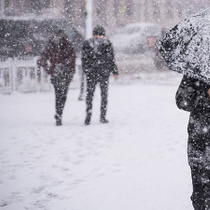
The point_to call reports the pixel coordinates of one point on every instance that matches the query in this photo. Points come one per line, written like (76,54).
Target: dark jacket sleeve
(186,95)
(86,56)
(71,58)
(45,55)
(111,59)
(192,95)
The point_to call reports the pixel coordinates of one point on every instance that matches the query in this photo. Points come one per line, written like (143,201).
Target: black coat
(192,96)
(58,50)
(98,57)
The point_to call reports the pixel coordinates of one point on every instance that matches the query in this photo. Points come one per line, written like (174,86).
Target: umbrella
(186,47)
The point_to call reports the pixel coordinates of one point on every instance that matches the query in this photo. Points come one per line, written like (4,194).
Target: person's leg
(82,86)
(206,174)
(104,82)
(91,85)
(62,97)
(61,90)
(200,176)
(198,198)
(58,115)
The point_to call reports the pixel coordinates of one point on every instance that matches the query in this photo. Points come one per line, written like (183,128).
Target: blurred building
(168,13)
(112,14)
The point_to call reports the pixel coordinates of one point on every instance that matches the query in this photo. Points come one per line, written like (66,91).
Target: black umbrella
(186,47)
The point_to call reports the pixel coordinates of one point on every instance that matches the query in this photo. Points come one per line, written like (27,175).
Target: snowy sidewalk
(136,162)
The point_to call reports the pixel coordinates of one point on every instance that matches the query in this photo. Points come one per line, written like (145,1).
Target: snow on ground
(136,162)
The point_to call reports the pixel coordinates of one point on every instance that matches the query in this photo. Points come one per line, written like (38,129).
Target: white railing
(23,75)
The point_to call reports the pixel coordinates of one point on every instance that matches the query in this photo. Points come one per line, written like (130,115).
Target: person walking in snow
(98,63)
(62,57)
(194,96)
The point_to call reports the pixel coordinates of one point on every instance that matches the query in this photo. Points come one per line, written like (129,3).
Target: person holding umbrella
(186,50)
(193,95)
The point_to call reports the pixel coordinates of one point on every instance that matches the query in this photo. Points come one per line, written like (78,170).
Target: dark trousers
(60,98)
(91,86)
(199,160)
(82,84)
(61,79)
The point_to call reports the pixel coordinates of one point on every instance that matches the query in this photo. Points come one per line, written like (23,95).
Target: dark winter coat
(58,50)
(98,57)
(192,96)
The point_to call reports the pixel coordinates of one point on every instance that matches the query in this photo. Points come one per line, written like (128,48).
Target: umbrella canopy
(186,47)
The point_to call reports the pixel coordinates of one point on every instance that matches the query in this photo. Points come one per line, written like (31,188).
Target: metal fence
(24,75)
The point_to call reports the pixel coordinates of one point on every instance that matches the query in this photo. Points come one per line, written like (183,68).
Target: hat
(98,31)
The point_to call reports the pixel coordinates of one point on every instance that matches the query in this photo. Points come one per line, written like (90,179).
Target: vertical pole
(13,71)
(142,10)
(88,21)
(2,8)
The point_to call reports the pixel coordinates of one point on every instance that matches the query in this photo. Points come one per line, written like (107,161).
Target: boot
(87,120)
(58,119)
(81,98)
(104,120)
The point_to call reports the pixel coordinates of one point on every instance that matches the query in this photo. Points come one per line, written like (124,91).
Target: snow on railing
(6,75)
(24,75)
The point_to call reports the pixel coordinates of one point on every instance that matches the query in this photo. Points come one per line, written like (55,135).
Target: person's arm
(44,57)
(71,58)
(186,94)
(111,58)
(86,57)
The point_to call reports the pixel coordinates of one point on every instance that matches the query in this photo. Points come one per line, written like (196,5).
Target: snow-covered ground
(136,162)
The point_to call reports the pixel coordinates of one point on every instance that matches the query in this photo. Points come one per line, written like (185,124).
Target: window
(116,7)
(156,8)
(123,7)
(1,7)
(129,7)
(46,3)
(68,5)
(37,5)
(179,9)
(98,7)
(11,8)
(169,11)
(101,11)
